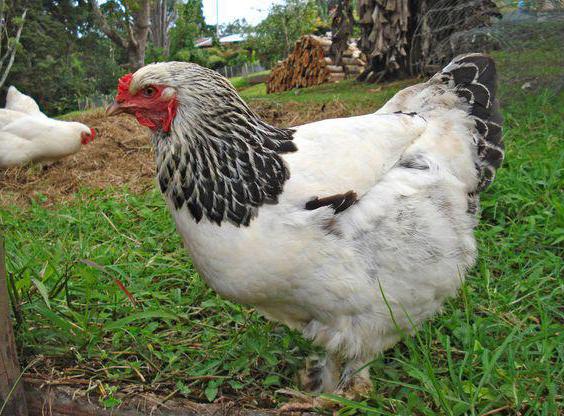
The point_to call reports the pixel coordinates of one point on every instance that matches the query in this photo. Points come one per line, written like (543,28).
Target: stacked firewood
(311,63)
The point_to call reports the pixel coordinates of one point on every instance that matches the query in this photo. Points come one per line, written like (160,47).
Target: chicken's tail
(474,78)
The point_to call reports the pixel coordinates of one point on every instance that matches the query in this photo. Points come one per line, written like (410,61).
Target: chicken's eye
(149,92)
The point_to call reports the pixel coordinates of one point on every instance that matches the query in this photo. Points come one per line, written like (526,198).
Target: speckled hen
(351,230)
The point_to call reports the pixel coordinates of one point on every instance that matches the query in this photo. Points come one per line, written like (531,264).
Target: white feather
(27,135)
(16,101)
(331,285)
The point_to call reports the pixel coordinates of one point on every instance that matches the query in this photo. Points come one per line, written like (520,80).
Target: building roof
(206,42)
(234,38)
(203,42)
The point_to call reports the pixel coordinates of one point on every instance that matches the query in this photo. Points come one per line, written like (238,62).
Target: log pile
(311,63)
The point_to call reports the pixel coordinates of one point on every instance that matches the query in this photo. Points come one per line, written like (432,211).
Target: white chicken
(28,135)
(350,230)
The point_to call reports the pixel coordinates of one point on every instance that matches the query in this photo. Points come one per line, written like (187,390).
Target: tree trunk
(138,30)
(9,365)
(138,35)
(341,28)
(384,28)
(163,14)
(135,57)
(443,29)
(407,37)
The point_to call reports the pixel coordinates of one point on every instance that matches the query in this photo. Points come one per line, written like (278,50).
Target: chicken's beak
(114,109)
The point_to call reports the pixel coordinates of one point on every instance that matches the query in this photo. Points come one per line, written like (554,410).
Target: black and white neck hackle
(219,160)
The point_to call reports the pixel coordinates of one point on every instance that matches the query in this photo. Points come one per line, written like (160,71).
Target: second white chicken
(27,135)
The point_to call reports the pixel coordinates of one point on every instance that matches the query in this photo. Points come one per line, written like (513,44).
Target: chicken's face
(76,130)
(152,103)
(87,136)
(159,93)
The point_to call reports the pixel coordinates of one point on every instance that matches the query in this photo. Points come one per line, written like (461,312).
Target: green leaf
(183,388)
(139,316)
(68,330)
(211,390)
(271,380)
(236,385)
(42,291)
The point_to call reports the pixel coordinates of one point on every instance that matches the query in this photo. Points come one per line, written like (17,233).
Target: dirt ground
(121,155)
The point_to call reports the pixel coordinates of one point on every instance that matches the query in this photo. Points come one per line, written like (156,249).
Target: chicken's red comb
(92,133)
(123,83)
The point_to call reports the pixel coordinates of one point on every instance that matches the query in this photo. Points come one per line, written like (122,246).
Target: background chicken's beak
(114,109)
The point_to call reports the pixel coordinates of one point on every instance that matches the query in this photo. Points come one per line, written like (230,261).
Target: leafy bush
(275,36)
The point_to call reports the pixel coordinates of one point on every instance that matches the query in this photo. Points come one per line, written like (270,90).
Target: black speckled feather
(228,167)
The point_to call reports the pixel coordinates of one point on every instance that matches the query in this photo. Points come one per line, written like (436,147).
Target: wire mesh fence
(240,70)
(448,28)
(94,101)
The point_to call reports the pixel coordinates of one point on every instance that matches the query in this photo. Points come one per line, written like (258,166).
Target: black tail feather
(474,78)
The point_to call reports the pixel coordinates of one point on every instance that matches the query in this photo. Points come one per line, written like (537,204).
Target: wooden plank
(336,77)
(334,68)
(353,69)
(9,364)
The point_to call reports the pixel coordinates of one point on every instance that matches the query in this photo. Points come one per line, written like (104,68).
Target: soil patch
(122,156)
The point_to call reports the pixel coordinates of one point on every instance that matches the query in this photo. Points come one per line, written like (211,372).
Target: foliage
(62,57)
(190,25)
(10,33)
(236,26)
(275,36)
(127,24)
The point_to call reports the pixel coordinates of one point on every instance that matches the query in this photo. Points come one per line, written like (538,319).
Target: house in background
(236,56)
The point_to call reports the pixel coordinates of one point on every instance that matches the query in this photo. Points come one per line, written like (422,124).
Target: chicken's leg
(321,374)
(324,376)
(355,380)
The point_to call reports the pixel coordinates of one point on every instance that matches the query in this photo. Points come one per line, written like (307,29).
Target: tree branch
(2,24)
(132,39)
(105,27)
(13,49)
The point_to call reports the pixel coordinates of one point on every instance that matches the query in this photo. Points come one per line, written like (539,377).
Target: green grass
(176,334)
(498,347)
(246,81)
(349,92)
